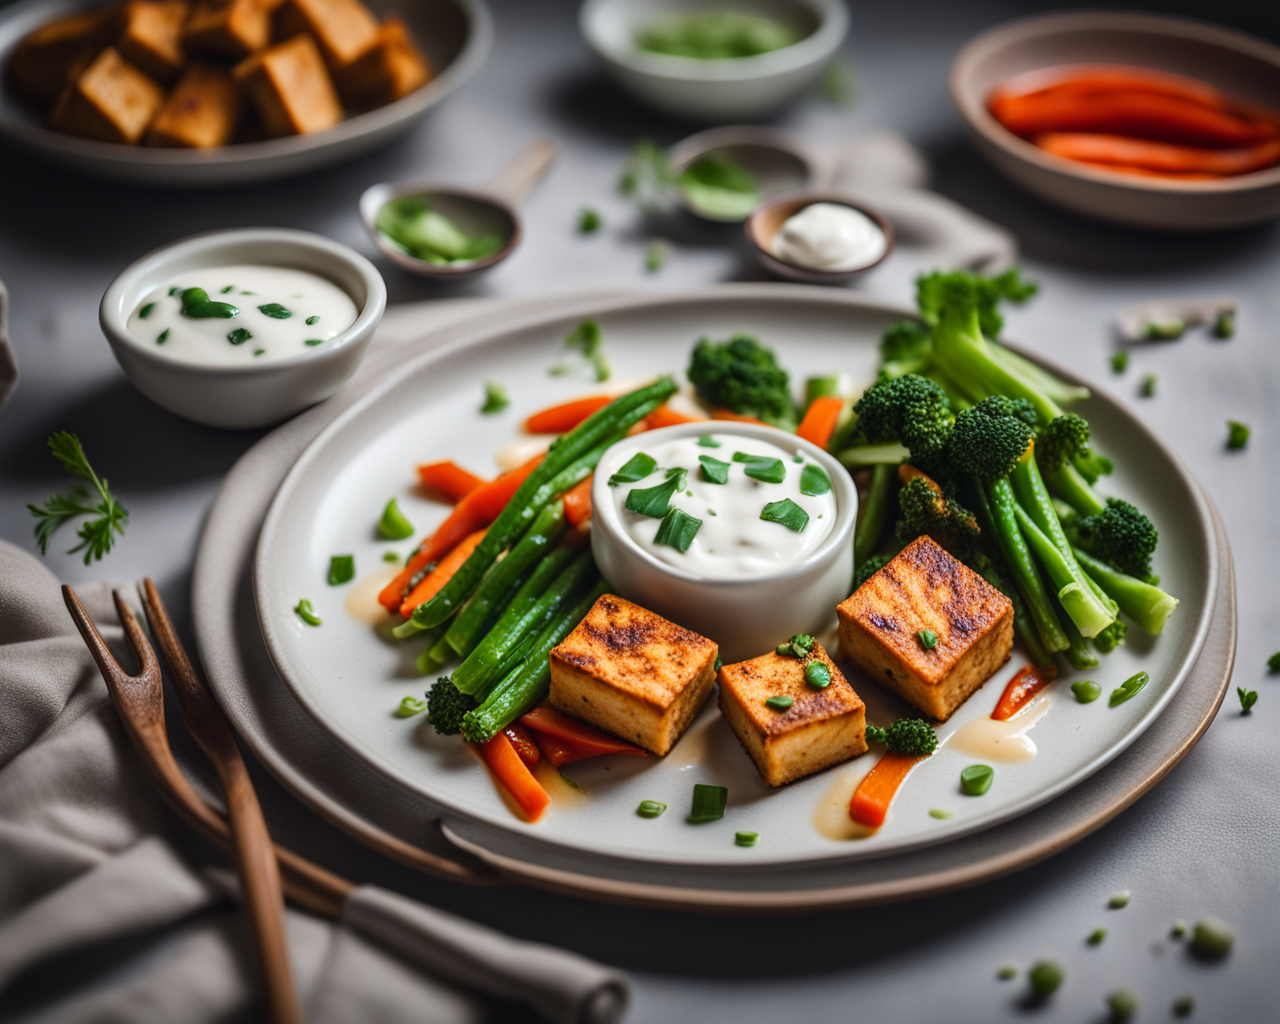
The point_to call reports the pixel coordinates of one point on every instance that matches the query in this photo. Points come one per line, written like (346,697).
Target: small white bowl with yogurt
(818,239)
(741,532)
(243,328)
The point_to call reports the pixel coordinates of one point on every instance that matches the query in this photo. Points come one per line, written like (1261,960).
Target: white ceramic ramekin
(746,618)
(249,396)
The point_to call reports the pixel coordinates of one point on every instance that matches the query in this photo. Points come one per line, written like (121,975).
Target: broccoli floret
(1066,439)
(926,510)
(1119,535)
(989,439)
(904,348)
(1010,286)
(743,376)
(1111,637)
(912,736)
(912,410)
(446,705)
(869,567)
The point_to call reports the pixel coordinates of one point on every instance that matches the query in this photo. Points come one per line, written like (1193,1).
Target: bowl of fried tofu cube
(209,92)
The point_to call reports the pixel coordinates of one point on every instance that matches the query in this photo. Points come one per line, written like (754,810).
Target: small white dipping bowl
(244,396)
(746,618)
(735,89)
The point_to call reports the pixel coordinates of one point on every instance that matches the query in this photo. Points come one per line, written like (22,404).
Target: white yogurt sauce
(318,310)
(733,542)
(829,236)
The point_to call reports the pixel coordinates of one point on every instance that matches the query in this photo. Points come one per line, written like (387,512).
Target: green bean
(875,513)
(1077,599)
(1148,606)
(575,453)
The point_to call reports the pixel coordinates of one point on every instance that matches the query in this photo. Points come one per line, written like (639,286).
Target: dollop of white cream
(318,311)
(733,542)
(829,236)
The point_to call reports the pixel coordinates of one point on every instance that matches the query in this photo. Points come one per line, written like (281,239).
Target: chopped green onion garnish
(411,706)
(677,530)
(588,222)
(342,569)
(306,613)
(239,336)
(145,311)
(709,803)
(758,467)
(1237,434)
(174,290)
(313,342)
(653,501)
(312,321)
(650,808)
(391,556)
(228,288)
(259,351)
(1212,938)
(976,779)
(1086,691)
(393,525)
(713,470)
(495,398)
(1120,361)
(1119,899)
(1225,325)
(1148,388)
(799,646)
(569,782)
(275,311)
(780,703)
(1131,687)
(940,813)
(746,838)
(1007,973)
(707,441)
(1096,936)
(814,481)
(162,337)
(928,639)
(817,675)
(637,468)
(1123,1005)
(786,513)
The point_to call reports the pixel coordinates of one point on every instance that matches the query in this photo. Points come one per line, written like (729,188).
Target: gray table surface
(1206,841)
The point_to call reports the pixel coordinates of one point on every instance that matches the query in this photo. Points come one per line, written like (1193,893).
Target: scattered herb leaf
(1046,977)
(650,808)
(652,501)
(162,337)
(588,340)
(1273,662)
(677,530)
(1224,326)
(976,779)
(707,441)
(709,803)
(312,342)
(1096,936)
(97,535)
(762,468)
(393,525)
(197,305)
(312,320)
(411,706)
(657,254)
(1119,899)
(636,469)
(495,398)
(786,513)
(817,675)
(306,613)
(1086,691)
(1123,1005)
(1248,698)
(713,470)
(239,336)
(1120,361)
(228,288)
(145,311)
(1148,388)
(1131,687)
(1212,938)
(391,556)
(568,781)
(588,222)
(814,481)
(799,646)
(1237,434)
(1183,1006)
(1006,973)
(342,569)
(780,703)
(941,813)
(928,639)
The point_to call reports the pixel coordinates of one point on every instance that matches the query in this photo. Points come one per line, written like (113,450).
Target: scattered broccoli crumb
(1123,1004)
(1119,361)
(1119,899)
(1148,388)
(1273,662)
(913,736)
(928,639)
(1225,325)
(1182,1007)
(656,255)
(1248,698)
(1212,938)
(1007,973)
(1179,929)
(495,398)
(1165,330)
(1096,936)
(588,222)
(1046,977)
(1237,434)
(799,646)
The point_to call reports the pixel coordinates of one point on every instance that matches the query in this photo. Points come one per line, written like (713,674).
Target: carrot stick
(559,751)
(442,573)
(875,793)
(477,509)
(1026,684)
(729,414)
(665,416)
(1141,172)
(449,479)
(820,419)
(550,722)
(505,763)
(1156,156)
(577,502)
(560,419)
(523,744)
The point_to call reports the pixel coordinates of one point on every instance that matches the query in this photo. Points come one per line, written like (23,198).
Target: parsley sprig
(96,534)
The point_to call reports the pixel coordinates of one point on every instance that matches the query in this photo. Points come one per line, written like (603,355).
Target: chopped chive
(275,311)
(391,556)
(1008,972)
(248,293)
(393,525)
(653,501)
(712,512)
(411,706)
(588,221)
(1225,325)
(239,336)
(706,441)
(1131,687)
(709,803)
(1237,434)
(1096,936)
(786,513)
(1248,698)
(1148,388)
(814,481)
(817,675)
(145,311)
(495,398)
(227,289)
(798,458)
(568,781)
(780,703)
(306,613)
(1119,361)
(928,639)
(1119,899)
(1046,977)
(162,337)
(1086,691)
(314,341)
(677,530)
(713,470)
(259,351)
(174,290)
(636,469)
(342,569)
(650,808)
(940,813)
(976,779)
(758,467)
(312,320)
(746,838)
(1164,330)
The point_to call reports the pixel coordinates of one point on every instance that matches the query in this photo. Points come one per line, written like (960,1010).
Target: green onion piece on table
(1131,687)
(495,398)
(709,803)
(940,813)
(393,525)
(411,706)
(1248,698)
(1212,938)
(1096,936)
(306,613)
(1120,361)
(976,779)
(1237,434)
(588,222)
(342,569)
(650,808)
(275,311)
(713,470)
(786,513)
(636,469)
(1046,977)
(1086,691)
(746,838)
(814,481)
(677,530)
(1119,899)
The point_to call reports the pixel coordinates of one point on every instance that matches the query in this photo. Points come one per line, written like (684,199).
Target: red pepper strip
(579,735)
(505,763)
(1026,684)
(523,743)
(871,800)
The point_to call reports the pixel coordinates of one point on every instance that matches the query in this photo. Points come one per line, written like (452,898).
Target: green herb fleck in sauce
(196,305)
(239,336)
(145,311)
(162,337)
(275,311)
(785,513)
(312,320)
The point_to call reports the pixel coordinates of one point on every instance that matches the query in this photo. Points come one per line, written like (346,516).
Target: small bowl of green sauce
(725,173)
(726,60)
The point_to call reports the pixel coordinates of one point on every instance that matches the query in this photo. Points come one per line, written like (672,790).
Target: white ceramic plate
(455,35)
(350,681)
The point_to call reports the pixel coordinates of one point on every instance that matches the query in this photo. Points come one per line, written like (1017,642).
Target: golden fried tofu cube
(924,588)
(290,88)
(389,70)
(229,28)
(54,54)
(203,110)
(345,29)
(632,673)
(111,101)
(152,36)
(822,727)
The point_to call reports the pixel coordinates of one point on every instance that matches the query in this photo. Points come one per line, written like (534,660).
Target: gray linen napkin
(86,861)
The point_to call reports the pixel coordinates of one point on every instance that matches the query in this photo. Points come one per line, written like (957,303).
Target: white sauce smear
(829,236)
(733,542)
(317,309)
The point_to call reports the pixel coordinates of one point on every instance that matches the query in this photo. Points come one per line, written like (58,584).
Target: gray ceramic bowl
(1233,62)
(249,396)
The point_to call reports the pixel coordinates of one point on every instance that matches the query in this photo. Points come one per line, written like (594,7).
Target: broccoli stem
(873,455)
(997,503)
(1057,390)
(875,513)
(1090,617)
(1067,483)
(1079,654)
(1148,606)
(821,387)
(1023,625)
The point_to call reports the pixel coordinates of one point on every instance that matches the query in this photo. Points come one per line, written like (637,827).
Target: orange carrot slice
(442,573)
(665,416)
(577,503)
(514,774)
(523,743)
(871,800)
(449,479)
(1158,156)
(729,414)
(1022,687)
(560,419)
(550,722)
(820,420)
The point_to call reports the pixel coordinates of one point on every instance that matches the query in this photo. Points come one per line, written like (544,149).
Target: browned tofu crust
(926,588)
(344,29)
(229,28)
(111,101)
(822,728)
(388,71)
(633,673)
(203,110)
(290,88)
(46,60)
(152,36)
